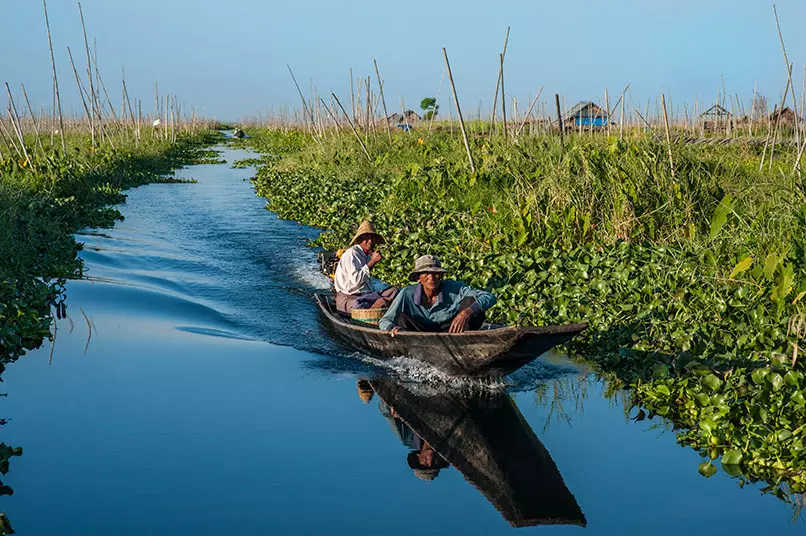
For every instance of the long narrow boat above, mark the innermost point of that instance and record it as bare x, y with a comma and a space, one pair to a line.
487, 439
492, 350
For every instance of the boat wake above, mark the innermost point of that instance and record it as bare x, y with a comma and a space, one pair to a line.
412, 371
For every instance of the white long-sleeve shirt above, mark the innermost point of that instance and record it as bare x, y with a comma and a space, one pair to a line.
352, 272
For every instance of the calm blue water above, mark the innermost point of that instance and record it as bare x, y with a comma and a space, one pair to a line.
204, 398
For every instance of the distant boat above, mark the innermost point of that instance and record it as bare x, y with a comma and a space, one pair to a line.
486, 438
239, 133
492, 350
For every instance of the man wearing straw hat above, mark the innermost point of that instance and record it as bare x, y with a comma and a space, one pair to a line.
352, 279
434, 304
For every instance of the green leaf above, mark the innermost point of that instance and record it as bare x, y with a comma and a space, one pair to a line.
742, 266
776, 380
770, 264
712, 382
707, 469
792, 378
703, 399
798, 398
758, 375
783, 282
783, 435
732, 469
720, 217
732, 457
662, 389
707, 425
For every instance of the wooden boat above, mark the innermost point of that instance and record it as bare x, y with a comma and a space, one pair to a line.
492, 350
486, 438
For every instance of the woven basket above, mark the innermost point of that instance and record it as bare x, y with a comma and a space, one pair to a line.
368, 316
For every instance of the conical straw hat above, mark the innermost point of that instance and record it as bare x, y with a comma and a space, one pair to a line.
366, 227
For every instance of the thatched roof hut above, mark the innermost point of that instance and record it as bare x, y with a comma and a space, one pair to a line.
716, 117
408, 117
586, 113
785, 116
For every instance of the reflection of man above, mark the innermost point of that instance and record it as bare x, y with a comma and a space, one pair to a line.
423, 459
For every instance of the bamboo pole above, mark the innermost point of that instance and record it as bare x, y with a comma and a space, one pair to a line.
668, 136
383, 101
55, 78
459, 110
621, 119
529, 113
355, 132
497, 85
352, 95
33, 120
503, 99
304, 105
81, 90
789, 78
332, 116
436, 103
768, 137
780, 113
8, 139
559, 117
89, 75
15, 122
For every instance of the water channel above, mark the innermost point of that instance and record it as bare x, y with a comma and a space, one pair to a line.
192, 390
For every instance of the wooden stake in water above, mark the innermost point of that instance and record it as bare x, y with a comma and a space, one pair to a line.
459, 110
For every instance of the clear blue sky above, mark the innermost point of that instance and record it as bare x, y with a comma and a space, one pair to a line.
229, 58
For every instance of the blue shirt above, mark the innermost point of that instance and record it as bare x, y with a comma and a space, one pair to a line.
442, 311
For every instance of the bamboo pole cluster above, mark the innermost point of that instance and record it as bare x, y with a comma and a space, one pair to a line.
24, 132
726, 119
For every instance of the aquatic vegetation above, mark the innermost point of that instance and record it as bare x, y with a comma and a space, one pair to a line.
689, 282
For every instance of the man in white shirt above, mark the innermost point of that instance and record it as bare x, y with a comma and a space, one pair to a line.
352, 279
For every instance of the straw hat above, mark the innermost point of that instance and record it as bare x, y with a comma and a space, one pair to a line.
365, 391
366, 227
426, 475
428, 264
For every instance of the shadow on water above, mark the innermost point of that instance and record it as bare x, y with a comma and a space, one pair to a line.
485, 437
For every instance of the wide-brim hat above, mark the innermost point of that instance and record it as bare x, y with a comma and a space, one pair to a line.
426, 264
365, 228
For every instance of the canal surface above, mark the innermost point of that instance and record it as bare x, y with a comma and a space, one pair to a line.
193, 391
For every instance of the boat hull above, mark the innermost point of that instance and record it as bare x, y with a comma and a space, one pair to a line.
492, 350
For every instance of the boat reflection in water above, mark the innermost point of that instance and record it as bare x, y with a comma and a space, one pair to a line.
486, 438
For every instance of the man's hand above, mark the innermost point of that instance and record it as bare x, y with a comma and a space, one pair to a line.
376, 257
394, 331
460, 321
